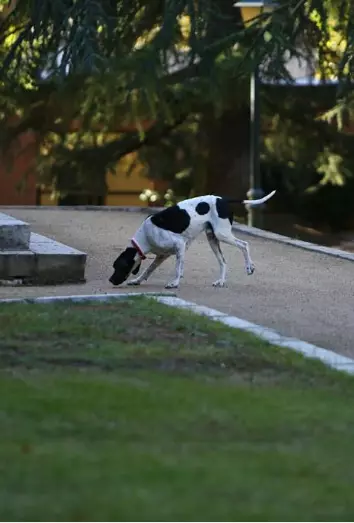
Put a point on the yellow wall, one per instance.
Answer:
(124, 199)
(128, 176)
(128, 179)
(46, 200)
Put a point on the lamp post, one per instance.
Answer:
(249, 11)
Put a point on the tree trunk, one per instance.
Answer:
(226, 142)
(224, 139)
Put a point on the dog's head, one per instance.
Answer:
(127, 262)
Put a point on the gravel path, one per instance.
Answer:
(298, 293)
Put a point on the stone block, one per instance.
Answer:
(56, 262)
(17, 264)
(45, 262)
(14, 234)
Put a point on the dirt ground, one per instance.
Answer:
(298, 293)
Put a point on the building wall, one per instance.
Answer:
(127, 183)
(124, 186)
(17, 180)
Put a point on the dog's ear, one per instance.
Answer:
(123, 266)
(125, 258)
(137, 269)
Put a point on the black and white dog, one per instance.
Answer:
(171, 231)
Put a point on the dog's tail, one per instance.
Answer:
(261, 200)
(253, 203)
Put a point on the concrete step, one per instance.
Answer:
(45, 262)
(14, 234)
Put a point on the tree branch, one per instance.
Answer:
(113, 151)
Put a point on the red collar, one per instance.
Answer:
(140, 252)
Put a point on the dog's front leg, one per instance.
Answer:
(174, 284)
(149, 270)
(186, 247)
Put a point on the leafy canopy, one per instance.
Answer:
(139, 68)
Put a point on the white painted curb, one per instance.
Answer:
(300, 244)
(329, 358)
(85, 297)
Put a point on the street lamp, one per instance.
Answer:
(249, 11)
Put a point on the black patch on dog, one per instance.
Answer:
(202, 208)
(172, 219)
(123, 266)
(223, 209)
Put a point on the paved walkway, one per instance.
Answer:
(298, 293)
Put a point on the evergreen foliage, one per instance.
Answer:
(134, 73)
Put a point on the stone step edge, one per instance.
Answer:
(45, 262)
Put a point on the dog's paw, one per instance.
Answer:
(134, 282)
(250, 269)
(219, 283)
(172, 285)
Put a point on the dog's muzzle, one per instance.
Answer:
(118, 277)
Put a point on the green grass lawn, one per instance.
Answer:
(134, 411)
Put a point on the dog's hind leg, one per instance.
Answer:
(229, 238)
(149, 270)
(215, 246)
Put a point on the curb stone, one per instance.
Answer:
(300, 244)
(329, 358)
(245, 229)
(84, 297)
